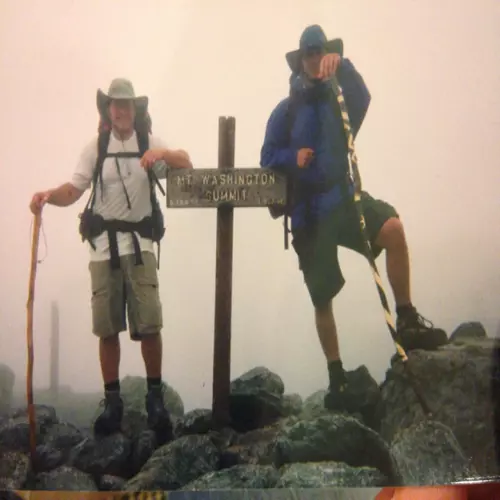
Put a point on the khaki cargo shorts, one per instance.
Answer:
(131, 291)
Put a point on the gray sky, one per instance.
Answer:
(429, 145)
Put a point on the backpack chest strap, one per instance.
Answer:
(124, 154)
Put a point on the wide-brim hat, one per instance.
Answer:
(313, 38)
(120, 88)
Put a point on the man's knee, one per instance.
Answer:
(109, 339)
(391, 234)
(323, 310)
(151, 336)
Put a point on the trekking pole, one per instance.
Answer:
(29, 333)
(356, 179)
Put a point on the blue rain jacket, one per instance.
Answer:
(317, 124)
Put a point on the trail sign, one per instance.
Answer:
(224, 188)
(211, 188)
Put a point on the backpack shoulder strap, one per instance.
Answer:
(143, 142)
(102, 151)
(291, 112)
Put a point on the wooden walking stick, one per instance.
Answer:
(29, 334)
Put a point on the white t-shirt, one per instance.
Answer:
(114, 202)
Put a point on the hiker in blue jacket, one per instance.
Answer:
(305, 139)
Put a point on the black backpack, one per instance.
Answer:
(91, 224)
(285, 210)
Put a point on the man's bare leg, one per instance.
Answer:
(152, 352)
(414, 330)
(392, 238)
(327, 333)
(109, 356)
(109, 421)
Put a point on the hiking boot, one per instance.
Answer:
(336, 397)
(158, 416)
(109, 421)
(416, 332)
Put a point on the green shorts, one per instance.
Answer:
(131, 289)
(318, 251)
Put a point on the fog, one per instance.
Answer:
(429, 145)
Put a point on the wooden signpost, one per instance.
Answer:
(224, 188)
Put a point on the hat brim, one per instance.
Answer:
(104, 99)
(293, 58)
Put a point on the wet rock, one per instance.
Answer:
(255, 399)
(259, 379)
(428, 453)
(329, 475)
(195, 422)
(291, 404)
(134, 422)
(363, 393)
(456, 383)
(223, 438)
(58, 441)
(336, 438)
(45, 415)
(176, 464)
(15, 469)
(142, 448)
(237, 477)
(314, 405)
(47, 458)
(111, 483)
(14, 431)
(65, 478)
(467, 331)
(252, 448)
(252, 411)
(109, 455)
(63, 436)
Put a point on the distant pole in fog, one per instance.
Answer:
(54, 350)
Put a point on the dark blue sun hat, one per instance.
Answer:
(313, 38)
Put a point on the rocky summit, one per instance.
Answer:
(276, 439)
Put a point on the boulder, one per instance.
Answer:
(456, 382)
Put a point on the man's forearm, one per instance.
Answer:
(64, 195)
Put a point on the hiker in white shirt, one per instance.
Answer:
(121, 222)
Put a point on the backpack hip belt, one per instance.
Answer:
(96, 225)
